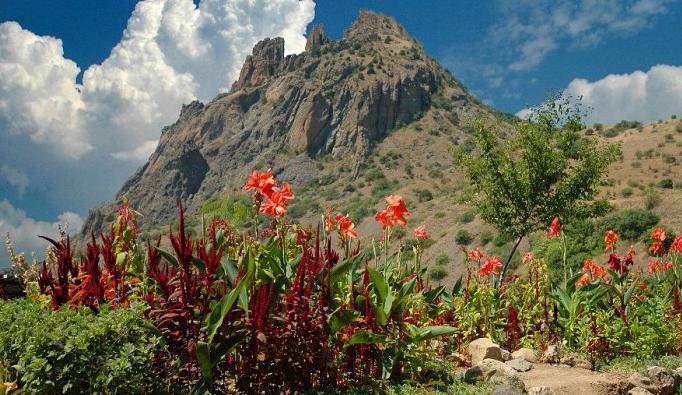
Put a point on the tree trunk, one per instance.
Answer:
(509, 258)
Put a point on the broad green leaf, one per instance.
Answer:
(170, 258)
(431, 332)
(204, 359)
(380, 284)
(365, 337)
(340, 318)
(217, 315)
(199, 264)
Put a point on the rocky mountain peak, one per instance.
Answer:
(267, 55)
(336, 100)
(373, 26)
(316, 38)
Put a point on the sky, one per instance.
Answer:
(85, 89)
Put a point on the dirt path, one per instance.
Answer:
(566, 380)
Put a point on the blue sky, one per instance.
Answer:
(82, 103)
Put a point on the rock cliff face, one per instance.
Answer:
(339, 98)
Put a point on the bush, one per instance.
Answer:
(76, 351)
(485, 237)
(652, 198)
(463, 237)
(630, 224)
(442, 259)
(626, 192)
(466, 217)
(438, 273)
(666, 183)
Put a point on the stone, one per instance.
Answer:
(661, 381)
(506, 355)
(494, 371)
(507, 389)
(519, 364)
(544, 390)
(527, 354)
(576, 360)
(551, 354)
(458, 358)
(484, 348)
(639, 391)
(316, 38)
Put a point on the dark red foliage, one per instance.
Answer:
(620, 264)
(513, 329)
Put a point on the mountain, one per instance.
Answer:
(337, 101)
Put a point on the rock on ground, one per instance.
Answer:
(483, 348)
(544, 390)
(519, 364)
(565, 380)
(527, 354)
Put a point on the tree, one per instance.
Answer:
(545, 168)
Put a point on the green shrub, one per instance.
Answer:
(466, 217)
(442, 259)
(437, 273)
(485, 237)
(626, 192)
(76, 351)
(666, 183)
(652, 198)
(630, 224)
(463, 237)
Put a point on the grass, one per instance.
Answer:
(628, 365)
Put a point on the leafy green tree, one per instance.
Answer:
(545, 168)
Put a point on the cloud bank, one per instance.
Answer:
(644, 96)
(59, 133)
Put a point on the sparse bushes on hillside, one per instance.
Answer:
(463, 237)
(630, 224)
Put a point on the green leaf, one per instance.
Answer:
(199, 264)
(204, 359)
(340, 270)
(168, 257)
(431, 332)
(340, 318)
(121, 259)
(215, 318)
(380, 284)
(365, 337)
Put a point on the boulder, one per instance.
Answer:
(660, 382)
(484, 348)
(551, 354)
(519, 364)
(576, 360)
(544, 390)
(507, 389)
(527, 354)
(494, 371)
(506, 355)
(639, 391)
(458, 358)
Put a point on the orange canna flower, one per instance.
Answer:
(420, 233)
(328, 221)
(676, 244)
(527, 257)
(261, 182)
(554, 228)
(594, 269)
(285, 191)
(490, 266)
(275, 205)
(583, 281)
(476, 254)
(346, 226)
(397, 209)
(658, 234)
(657, 248)
(611, 239)
(385, 219)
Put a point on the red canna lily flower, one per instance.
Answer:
(583, 281)
(420, 233)
(261, 182)
(397, 209)
(346, 226)
(476, 254)
(490, 266)
(595, 270)
(527, 257)
(285, 191)
(658, 234)
(657, 248)
(554, 228)
(620, 264)
(611, 239)
(275, 205)
(643, 286)
(385, 219)
(676, 244)
(328, 221)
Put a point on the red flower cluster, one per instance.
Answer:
(583, 281)
(554, 228)
(274, 199)
(345, 226)
(490, 266)
(656, 266)
(657, 247)
(420, 233)
(594, 269)
(476, 254)
(611, 239)
(394, 213)
(620, 264)
(527, 257)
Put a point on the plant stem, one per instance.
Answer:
(509, 258)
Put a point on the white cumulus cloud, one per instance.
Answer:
(641, 95)
(24, 231)
(15, 178)
(172, 52)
